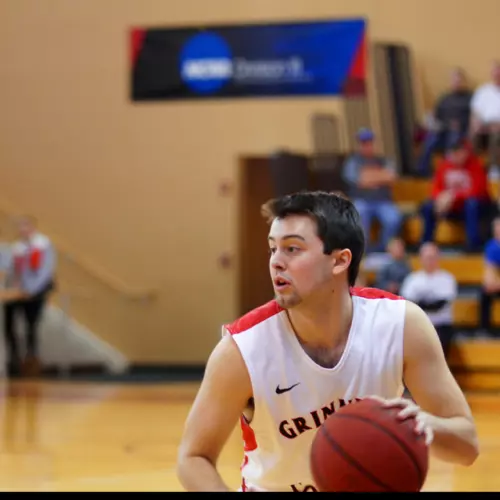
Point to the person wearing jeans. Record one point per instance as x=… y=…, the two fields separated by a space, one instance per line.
x=369 y=179
x=460 y=192
x=472 y=212
x=388 y=215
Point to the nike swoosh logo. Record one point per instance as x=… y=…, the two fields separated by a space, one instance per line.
x=286 y=389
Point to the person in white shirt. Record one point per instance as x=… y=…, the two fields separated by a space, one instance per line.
x=434 y=290
x=485 y=116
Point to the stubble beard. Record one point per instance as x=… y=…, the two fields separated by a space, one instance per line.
x=288 y=301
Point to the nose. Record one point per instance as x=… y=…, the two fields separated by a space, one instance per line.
x=277 y=262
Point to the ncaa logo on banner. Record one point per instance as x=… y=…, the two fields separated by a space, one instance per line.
x=206 y=63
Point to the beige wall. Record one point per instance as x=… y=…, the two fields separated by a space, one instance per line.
x=134 y=187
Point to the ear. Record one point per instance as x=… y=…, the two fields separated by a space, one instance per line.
x=342 y=261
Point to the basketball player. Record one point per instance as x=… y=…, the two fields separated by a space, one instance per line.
x=284 y=367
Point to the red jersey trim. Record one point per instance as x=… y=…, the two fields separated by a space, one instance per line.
x=271 y=308
x=254 y=317
x=373 y=293
x=249 y=441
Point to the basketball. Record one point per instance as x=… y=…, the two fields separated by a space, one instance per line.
x=363 y=447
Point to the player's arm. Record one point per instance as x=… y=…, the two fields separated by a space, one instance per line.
x=221 y=399
x=435 y=390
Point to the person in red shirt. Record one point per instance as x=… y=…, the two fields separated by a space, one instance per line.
x=459 y=191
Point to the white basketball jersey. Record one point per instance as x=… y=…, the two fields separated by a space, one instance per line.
x=293 y=395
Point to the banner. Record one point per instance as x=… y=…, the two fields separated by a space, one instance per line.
x=325 y=58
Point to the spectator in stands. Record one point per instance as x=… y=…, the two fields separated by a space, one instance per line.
x=369 y=178
x=485 y=120
x=29 y=282
x=491 y=279
x=434 y=290
x=393 y=273
x=459 y=191
x=450 y=120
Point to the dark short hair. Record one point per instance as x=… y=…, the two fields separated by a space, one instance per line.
x=338 y=223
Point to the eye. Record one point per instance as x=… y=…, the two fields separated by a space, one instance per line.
x=272 y=250
x=293 y=249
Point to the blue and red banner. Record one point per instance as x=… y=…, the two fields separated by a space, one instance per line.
x=325 y=58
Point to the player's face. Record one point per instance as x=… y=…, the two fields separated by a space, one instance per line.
x=298 y=266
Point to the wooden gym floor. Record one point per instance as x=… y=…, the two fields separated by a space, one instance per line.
x=59 y=436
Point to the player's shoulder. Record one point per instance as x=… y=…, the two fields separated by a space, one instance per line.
x=417 y=327
x=254 y=317
x=373 y=293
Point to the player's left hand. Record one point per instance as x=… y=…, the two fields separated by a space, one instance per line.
x=409 y=409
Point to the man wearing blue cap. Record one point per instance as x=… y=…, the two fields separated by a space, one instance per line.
x=369 y=178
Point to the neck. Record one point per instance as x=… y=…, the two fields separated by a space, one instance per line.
x=326 y=323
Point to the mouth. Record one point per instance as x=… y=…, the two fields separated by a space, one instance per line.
x=280 y=283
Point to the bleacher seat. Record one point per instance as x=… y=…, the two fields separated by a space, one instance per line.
x=475 y=361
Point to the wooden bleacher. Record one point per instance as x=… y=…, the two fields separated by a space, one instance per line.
x=475 y=362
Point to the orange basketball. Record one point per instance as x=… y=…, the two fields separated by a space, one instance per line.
x=363 y=447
